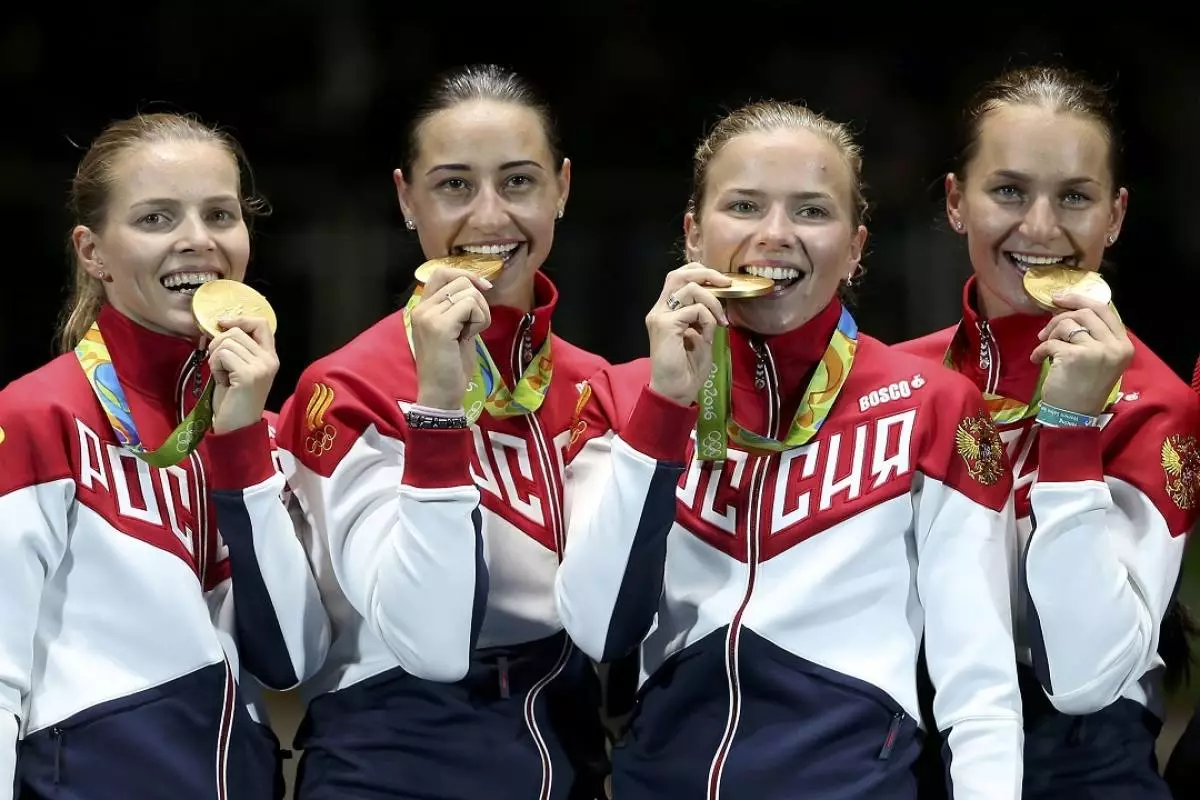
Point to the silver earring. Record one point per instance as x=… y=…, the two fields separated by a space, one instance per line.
x=958 y=226
x=408 y=223
x=1112 y=239
x=560 y=214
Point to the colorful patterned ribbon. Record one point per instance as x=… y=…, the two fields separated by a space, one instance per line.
x=716 y=426
x=97 y=365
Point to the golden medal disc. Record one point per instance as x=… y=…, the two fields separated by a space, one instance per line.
x=481 y=264
x=225 y=299
x=743 y=287
x=1042 y=283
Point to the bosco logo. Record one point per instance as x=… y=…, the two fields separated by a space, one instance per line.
x=889 y=393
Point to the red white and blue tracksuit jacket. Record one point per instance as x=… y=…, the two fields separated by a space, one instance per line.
x=449 y=675
x=1102 y=515
x=132 y=598
x=779 y=599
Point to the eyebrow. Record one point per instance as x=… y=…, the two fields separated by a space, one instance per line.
x=793 y=195
x=467 y=167
x=170 y=201
x=1014 y=175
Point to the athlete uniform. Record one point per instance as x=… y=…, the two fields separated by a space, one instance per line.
x=779 y=598
x=436 y=549
x=120 y=637
x=1101 y=517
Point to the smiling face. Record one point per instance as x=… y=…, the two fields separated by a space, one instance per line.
x=779 y=204
x=1038 y=190
x=484 y=180
x=173 y=221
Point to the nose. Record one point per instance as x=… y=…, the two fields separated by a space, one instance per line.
x=1040 y=223
x=489 y=213
x=776 y=231
x=193 y=234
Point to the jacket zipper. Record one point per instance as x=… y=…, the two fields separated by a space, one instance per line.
x=522 y=356
x=988 y=358
x=770 y=381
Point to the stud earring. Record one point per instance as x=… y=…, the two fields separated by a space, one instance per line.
x=958 y=226
x=1112 y=239
x=560 y=213
x=408 y=223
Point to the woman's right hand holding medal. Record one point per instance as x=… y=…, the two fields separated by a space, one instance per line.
x=451 y=313
x=681 y=326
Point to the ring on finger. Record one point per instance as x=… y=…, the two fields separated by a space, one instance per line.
x=449 y=298
x=1071 y=336
x=673 y=303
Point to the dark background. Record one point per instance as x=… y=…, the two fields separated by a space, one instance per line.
x=318 y=93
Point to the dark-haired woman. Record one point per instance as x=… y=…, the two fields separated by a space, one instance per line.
x=428 y=456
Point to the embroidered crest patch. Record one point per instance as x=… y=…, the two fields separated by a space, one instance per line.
x=321 y=433
x=1181 y=462
x=978 y=442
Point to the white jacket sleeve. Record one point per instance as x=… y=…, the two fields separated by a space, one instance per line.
x=623 y=486
x=966 y=549
x=33 y=540
x=279 y=622
x=399 y=514
x=1110 y=510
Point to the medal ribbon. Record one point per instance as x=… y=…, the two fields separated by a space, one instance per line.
x=97 y=365
x=1005 y=410
x=716 y=426
x=486 y=389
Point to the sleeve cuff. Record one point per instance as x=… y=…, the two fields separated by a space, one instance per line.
x=437 y=459
x=1066 y=455
x=240 y=459
x=659 y=427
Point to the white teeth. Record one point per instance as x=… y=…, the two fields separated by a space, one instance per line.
x=189 y=280
x=775 y=273
x=1036 y=261
x=490 y=249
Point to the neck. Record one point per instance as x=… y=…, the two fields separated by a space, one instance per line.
x=145 y=359
x=519 y=297
x=991 y=306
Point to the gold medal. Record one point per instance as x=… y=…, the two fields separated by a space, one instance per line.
x=485 y=266
x=225 y=299
x=743 y=287
x=1042 y=283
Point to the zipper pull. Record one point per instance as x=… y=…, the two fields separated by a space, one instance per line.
x=889 y=741
x=985 y=346
x=527 y=343
x=502 y=669
x=197 y=385
x=56 y=733
x=760 y=366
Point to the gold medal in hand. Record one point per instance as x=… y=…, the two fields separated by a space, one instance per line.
x=1042 y=283
x=226 y=299
x=485 y=266
x=743 y=287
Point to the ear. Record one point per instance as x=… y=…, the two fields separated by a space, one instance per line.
x=954 y=201
x=564 y=183
x=403 y=193
x=1116 y=217
x=86 y=244
x=693 y=243
x=857 y=243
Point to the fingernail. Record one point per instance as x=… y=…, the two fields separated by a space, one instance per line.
x=486 y=283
